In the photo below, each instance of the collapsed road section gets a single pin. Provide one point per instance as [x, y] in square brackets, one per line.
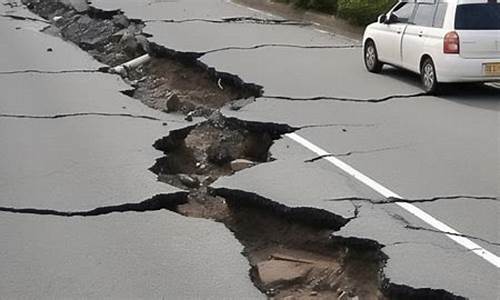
[292, 252]
[171, 81]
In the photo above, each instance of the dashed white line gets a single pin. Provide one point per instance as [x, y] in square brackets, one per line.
[417, 212]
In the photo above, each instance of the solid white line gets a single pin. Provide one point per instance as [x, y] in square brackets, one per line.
[321, 30]
[250, 9]
[422, 215]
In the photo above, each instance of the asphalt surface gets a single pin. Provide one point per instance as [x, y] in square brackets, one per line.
[421, 147]
[82, 162]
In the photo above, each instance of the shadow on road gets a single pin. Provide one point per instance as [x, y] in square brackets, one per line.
[472, 94]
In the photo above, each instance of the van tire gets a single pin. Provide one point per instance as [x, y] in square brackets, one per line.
[428, 76]
[372, 63]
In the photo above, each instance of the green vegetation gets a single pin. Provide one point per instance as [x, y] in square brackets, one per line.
[363, 12]
[360, 12]
[326, 6]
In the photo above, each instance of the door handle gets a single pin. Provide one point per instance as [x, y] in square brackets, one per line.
[399, 31]
[421, 33]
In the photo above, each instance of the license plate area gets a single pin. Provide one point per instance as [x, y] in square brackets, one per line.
[491, 69]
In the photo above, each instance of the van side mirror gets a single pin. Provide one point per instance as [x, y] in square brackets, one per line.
[392, 19]
[382, 18]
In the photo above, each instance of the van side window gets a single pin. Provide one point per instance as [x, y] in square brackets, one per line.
[440, 14]
[424, 15]
[404, 12]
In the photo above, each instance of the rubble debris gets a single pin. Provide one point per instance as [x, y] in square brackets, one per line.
[217, 147]
[113, 39]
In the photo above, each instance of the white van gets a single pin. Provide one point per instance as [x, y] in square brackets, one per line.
[442, 40]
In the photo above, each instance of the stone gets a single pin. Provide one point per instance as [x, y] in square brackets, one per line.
[173, 103]
[79, 5]
[117, 36]
[188, 181]
[189, 116]
[121, 21]
[342, 295]
[273, 273]
[241, 164]
[128, 43]
[143, 42]
[219, 155]
[239, 104]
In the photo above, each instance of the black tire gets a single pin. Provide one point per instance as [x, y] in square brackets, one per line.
[428, 76]
[372, 63]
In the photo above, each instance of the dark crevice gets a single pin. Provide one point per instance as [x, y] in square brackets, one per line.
[351, 153]
[251, 20]
[424, 200]
[303, 215]
[343, 99]
[79, 114]
[158, 202]
[397, 291]
[456, 249]
[100, 70]
[21, 18]
[344, 125]
[254, 47]
[411, 227]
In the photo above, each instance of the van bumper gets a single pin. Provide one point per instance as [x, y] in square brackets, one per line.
[454, 68]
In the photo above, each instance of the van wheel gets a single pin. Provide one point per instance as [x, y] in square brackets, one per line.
[371, 58]
[428, 76]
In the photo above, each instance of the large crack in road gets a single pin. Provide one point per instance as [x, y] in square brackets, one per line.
[292, 251]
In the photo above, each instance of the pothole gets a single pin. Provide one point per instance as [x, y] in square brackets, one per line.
[197, 155]
[180, 83]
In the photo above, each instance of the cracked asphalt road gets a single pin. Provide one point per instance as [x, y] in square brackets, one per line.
[428, 147]
[73, 142]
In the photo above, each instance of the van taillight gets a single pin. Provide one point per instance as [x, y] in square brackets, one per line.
[451, 43]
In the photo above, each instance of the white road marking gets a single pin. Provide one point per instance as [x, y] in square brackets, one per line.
[321, 30]
[250, 9]
[422, 215]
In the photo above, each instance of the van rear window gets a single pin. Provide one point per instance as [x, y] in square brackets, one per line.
[478, 16]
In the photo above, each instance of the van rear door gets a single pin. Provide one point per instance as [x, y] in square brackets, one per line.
[478, 26]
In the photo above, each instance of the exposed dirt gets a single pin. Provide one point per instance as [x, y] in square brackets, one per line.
[291, 258]
[291, 253]
[197, 155]
[173, 85]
